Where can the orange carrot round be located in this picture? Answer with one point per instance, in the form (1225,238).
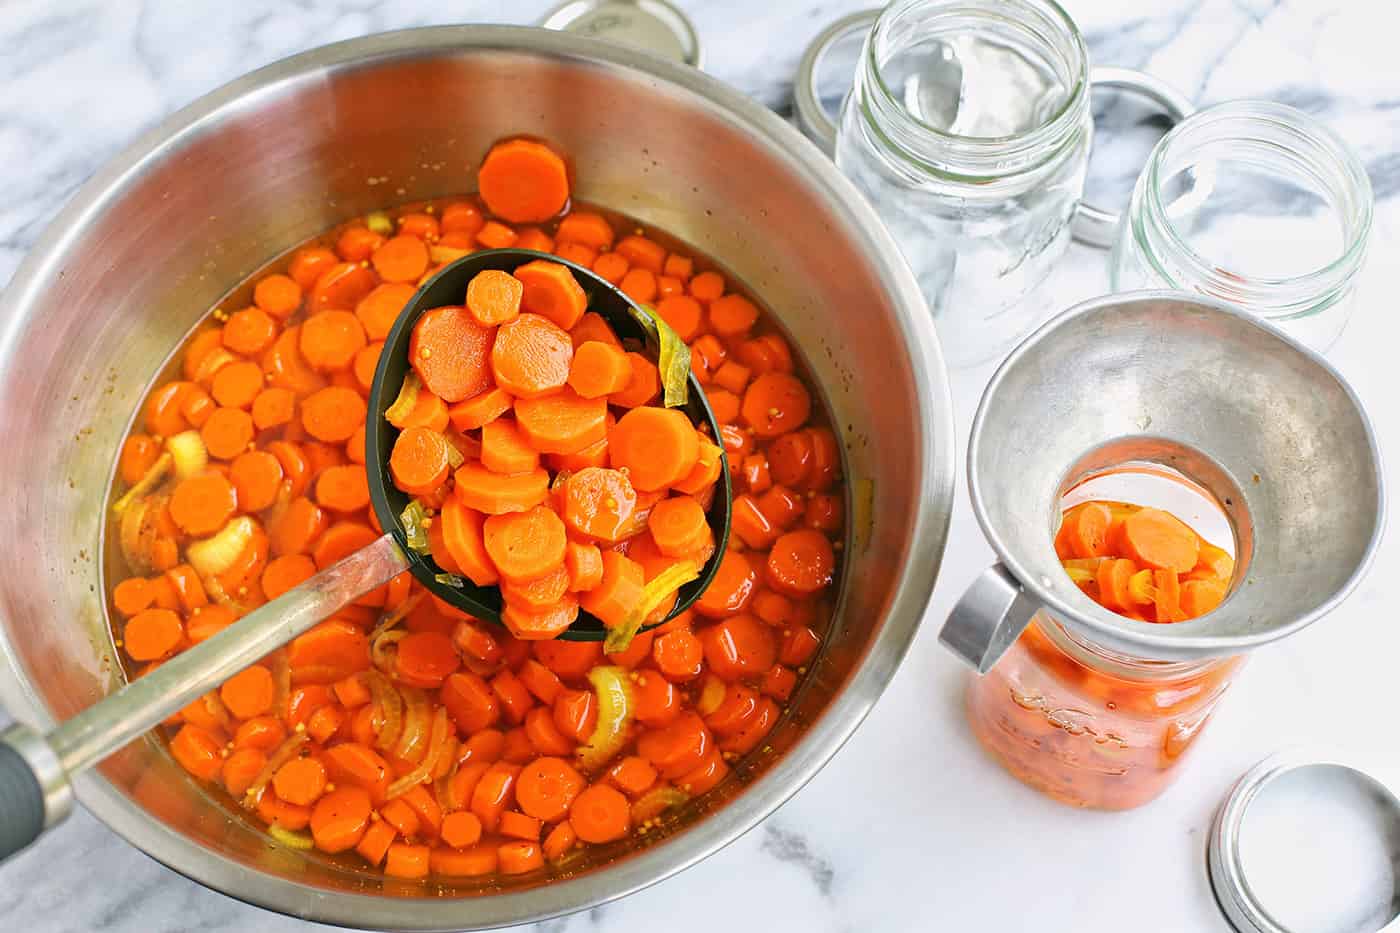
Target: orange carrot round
(599,369)
(531,356)
(449,350)
(1160,540)
(550,290)
(776,403)
(401,259)
(524,545)
(562,423)
(493,297)
(419,461)
(523,181)
(657,446)
(600,814)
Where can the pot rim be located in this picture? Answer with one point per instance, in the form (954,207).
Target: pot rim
(822,739)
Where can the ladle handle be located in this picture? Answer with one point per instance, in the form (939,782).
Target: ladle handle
(29,760)
(988,618)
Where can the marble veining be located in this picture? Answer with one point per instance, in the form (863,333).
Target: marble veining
(909,827)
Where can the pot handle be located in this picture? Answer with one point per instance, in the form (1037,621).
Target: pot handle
(990,615)
(34,791)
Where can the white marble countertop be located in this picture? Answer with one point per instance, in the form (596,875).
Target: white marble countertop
(910,827)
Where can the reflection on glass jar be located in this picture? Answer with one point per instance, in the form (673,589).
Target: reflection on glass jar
(969,127)
(1090,727)
(1258,204)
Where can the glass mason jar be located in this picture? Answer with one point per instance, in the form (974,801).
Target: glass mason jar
(968,127)
(1090,727)
(1258,204)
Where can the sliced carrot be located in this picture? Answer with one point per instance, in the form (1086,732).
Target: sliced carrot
(732,315)
(426,658)
(249,693)
(308,264)
(428,411)
(1199,597)
(600,814)
(152,634)
(333,414)
(1214,562)
(300,781)
(592,327)
(1159,540)
(504,449)
(599,369)
(1113,577)
(461,829)
(639,285)
(559,842)
(493,297)
(198,752)
(519,857)
(547,787)
(562,423)
(286,368)
(378,310)
(449,351)
(496,493)
(643,252)
(577,253)
(343,488)
(202,504)
(657,446)
(611,267)
(237,384)
(575,711)
(584,564)
(599,503)
(407,861)
(525,545)
(273,408)
(420,461)
(776,403)
(801,563)
(341,540)
(1166,598)
(462,534)
(133,595)
(667,286)
(241,769)
(1085,530)
(341,286)
(357,242)
(540,593)
(249,331)
(731,589)
(644,385)
(331,650)
(618,592)
(480,409)
(658,701)
(533,238)
(340,818)
(551,291)
(531,356)
(461,217)
(523,181)
(740,646)
(257,479)
(684,314)
(284,573)
(401,259)
(227,433)
(494,793)
(587,228)
(708,464)
(678,525)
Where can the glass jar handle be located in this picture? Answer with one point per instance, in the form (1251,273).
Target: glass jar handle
(991,615)
(1094,226)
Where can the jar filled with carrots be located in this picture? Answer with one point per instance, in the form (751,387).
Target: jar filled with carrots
(1087,725)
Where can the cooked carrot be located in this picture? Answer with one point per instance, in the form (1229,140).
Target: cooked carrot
(343,488)
(428,411)
(330,339)
(257,479)
(1213,563)
(448,350)
(593,327)
(707,286)
(523,181)
(708,464)
(273,408)
(531,356)
(480,409)
(494,297)
(341,286)
(584,564)
(493,793)
(309,263)
(732,376)
(133,595)
(241,769)
(201,504)
(599,369)
(401,259)
(420,461)
(668,287)
(278,295)
(611,267)
(461,217)
(1199,597)
(538,594)
(207,622)
(577,253)
(776,403)
(407,861)
(462,532)
(249,693)
(1113,578)
(329,651)
(562,423)
(524,545)
(678,526)
(559,842)
(732,315)
(152,634)
(357,242)
(297,528)
(551,291)
(519,857)
(461,829)
(644,385)
(496,493)
(249,331)
(237,384)
(1166,597)
(138,454)
(286,368)
(587,228)
(341,540)
(332,414)
(426,658)
(600,814)
(801,563)
(504,449)
(1084,531)
(599,503)
(198,752)
(378,310)
(547,788)
(639,285)
(684,314)
(657,446)
(365,363)
(340,818)
(640,251)
(740,646)
(618,592)
(1159,540)
(283,573)
(731,589)
(227,433)
(533,238)
(188,590)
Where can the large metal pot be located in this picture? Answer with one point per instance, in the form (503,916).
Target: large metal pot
(157,237)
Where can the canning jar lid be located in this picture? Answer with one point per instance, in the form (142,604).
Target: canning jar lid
(654,26)
(1307,842)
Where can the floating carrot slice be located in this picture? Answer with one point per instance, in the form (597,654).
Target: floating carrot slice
(330,651)
(546,623)
(504,449)
(426,658)
(341,286)
(497,493)
(523,181)
(708,464)
(740,646)
(462,534)
(333,414)
(286,368)
(550,290)
(1159,540)
(547,787)
(801,563)
(732,315)
(308,264)
(407,861)
(643,387)
(1114,577)
(592,327)
(685,315)
(340,818)
(341,540)
(198,751)
(1084,531)
(640,251)
(227,433)
(297,528)
(202,504)
(562,423)
(618,592)
(493,297)
(1213,562)
(531,356)
(480,409)
(152,634)
(599,369)
(587,228)
(420,461)
(639,285)
(401,259)
(273,408)
(776,403)
(538,594)
(249,331)
(600,814)
(731,589)
(678,526)
(283,573)
(378,310)
(249,693)
(461,829)
(343,488)
(658,447)
(599,503)
(330,339)
(356,242)
(525,545)
(449,351)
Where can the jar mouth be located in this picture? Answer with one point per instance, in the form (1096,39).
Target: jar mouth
(1299,150)
(1041,24)
(1115,663)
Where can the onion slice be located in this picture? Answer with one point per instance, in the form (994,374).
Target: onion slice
(615,710)
(436,744)
(284,753)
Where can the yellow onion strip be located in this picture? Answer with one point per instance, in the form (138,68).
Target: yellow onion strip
(290,839)
(655,802)
(382,652)
(404,404)
(146,483)
(417,722)
(615,709)
(399,613)
(387,700)
(283,754)
(436,745)
(657,589)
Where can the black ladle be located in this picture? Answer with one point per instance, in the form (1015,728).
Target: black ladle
(449,287)
(35,768)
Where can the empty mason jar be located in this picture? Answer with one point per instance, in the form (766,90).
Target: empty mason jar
(1258,204)
(968,127)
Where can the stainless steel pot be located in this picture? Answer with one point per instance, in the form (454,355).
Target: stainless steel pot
(159,234)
